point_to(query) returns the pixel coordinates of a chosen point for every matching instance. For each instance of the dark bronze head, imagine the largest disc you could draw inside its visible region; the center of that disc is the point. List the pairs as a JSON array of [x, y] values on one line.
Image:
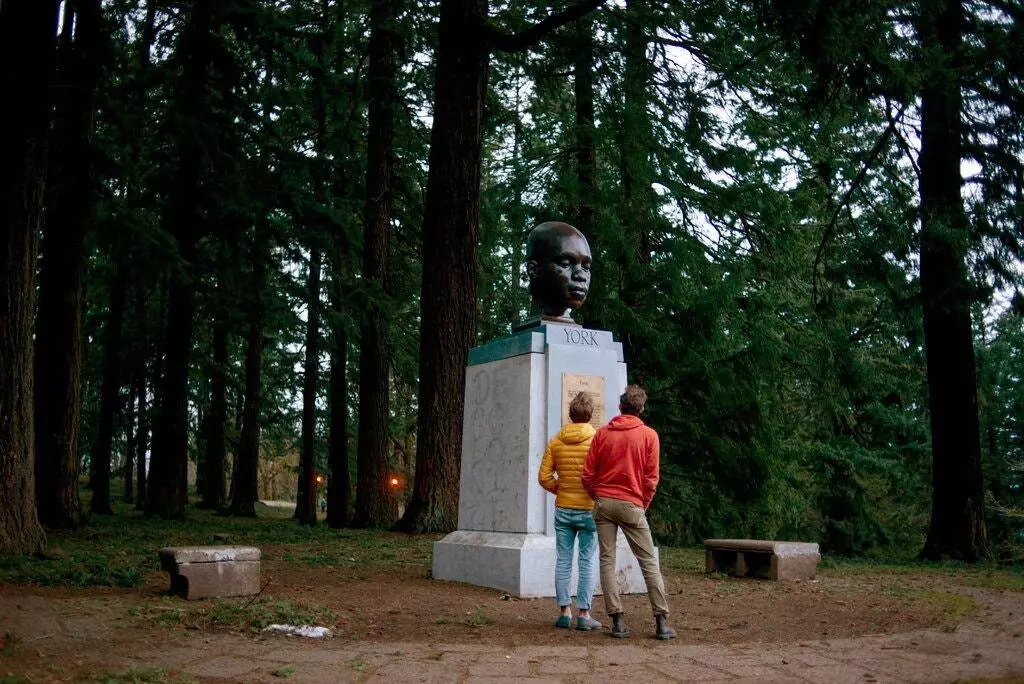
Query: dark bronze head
[[558, 265]]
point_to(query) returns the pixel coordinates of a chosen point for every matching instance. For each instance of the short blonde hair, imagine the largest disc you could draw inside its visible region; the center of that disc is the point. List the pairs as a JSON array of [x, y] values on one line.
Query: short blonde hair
[[582, 408]]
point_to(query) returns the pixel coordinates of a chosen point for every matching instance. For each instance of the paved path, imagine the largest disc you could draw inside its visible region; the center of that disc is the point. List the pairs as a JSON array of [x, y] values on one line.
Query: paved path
[[61, 637], [972, 651]]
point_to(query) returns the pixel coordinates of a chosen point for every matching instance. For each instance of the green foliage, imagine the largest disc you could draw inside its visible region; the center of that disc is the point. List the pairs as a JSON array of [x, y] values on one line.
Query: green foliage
[[753, 216]]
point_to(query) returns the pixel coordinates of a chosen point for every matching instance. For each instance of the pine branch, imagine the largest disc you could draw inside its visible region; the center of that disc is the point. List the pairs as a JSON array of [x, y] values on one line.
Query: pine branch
[[890, 131], [517, 42]]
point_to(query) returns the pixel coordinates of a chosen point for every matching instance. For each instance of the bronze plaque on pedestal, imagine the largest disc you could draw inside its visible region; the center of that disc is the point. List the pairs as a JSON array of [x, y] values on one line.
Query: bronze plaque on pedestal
[[573, 384]]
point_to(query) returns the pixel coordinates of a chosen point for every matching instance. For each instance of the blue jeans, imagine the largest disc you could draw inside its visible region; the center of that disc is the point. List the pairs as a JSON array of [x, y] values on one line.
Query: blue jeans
[[570, 523]]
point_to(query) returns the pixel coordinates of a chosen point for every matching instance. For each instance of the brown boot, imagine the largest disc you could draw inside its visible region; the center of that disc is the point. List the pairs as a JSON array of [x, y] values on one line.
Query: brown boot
[[663, 631]]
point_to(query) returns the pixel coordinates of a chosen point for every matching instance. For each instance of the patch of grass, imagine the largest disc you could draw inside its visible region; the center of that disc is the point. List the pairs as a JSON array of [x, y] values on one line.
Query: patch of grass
[[284, 672], [82, 568], [120, 550], [148, 675], [235, 615], [322, 559], [726, 585], [982, 575], [475, 618], [686, 560], [953, 607]]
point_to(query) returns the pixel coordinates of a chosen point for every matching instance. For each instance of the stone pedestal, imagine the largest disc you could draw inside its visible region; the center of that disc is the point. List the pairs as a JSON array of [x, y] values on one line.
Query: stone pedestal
[[514, 405]]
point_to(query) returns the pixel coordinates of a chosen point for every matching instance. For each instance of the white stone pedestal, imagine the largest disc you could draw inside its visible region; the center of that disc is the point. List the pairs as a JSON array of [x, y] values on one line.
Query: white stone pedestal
[[513, 408]]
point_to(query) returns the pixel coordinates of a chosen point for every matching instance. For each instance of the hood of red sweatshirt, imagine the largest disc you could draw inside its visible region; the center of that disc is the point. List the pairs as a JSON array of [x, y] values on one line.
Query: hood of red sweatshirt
[[624, 422]]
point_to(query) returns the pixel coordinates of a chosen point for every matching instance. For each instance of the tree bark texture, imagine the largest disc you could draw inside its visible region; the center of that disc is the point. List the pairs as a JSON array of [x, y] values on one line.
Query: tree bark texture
[[375, 501], [244, 482], [451, 230], [957, 528], [245, 470], [59, 322], [27, 30], [110, 395]]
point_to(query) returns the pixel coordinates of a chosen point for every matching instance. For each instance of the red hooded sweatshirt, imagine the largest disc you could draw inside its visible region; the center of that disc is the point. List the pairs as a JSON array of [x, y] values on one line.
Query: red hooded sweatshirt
[[623, 462]]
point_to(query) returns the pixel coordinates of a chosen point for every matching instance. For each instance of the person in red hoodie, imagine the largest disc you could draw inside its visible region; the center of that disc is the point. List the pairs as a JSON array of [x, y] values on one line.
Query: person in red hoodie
[[621, 474]]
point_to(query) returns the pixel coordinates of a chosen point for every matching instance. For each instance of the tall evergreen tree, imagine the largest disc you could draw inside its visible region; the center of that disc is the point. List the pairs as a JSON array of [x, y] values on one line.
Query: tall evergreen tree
[[59, 323], [448, 305], [958, 526], [374, 502], [27, 32]]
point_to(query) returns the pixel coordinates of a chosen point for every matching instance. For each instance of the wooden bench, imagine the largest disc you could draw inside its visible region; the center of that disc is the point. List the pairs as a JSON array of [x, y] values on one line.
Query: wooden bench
[[211, 571], [777, 560]]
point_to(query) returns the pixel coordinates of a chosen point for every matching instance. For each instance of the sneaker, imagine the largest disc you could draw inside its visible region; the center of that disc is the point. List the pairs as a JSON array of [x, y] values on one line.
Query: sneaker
[[587, 624], [563, 622]]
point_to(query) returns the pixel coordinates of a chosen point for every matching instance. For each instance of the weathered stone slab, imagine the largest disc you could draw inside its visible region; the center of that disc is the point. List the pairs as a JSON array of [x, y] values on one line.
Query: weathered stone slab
[[198, 572], [777, 560]]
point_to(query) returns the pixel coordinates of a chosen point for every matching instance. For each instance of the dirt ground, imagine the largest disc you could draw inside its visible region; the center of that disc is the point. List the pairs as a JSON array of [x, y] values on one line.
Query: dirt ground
[[60, 634]]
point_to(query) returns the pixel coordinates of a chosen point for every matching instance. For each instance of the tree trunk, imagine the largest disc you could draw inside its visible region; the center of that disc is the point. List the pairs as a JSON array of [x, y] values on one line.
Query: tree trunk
[[27, 30], [167, 493], [339, 485], [586, 160], [244, 481], [213, 491], [451, 229], [59, 323], [375, 501], [586, 149], [957, 527], [110, 396]]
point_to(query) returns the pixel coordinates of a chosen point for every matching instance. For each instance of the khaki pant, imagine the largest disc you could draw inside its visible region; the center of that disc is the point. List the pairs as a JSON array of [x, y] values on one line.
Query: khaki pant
[[610, 515]]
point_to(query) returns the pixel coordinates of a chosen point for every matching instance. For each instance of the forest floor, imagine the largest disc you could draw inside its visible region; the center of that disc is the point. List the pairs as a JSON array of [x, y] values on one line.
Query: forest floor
[[858, 622]]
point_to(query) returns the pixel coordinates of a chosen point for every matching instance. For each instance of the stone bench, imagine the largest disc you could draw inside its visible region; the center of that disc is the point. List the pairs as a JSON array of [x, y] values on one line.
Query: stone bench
[[211, 571], [777, 560]]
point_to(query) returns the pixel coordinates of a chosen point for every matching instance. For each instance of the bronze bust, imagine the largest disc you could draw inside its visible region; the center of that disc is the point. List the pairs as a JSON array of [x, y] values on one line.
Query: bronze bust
[[558, 266]]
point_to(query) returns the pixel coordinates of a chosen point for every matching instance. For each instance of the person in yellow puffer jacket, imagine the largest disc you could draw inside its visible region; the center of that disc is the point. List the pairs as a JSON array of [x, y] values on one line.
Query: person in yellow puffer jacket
[[560, 474]]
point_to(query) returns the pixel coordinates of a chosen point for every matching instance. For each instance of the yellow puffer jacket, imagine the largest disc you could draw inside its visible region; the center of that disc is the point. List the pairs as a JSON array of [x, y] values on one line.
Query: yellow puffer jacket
[[564, 457]]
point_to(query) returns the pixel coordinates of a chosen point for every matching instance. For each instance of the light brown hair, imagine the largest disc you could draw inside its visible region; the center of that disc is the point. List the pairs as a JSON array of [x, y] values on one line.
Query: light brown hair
[[582, 408], [633, 400]]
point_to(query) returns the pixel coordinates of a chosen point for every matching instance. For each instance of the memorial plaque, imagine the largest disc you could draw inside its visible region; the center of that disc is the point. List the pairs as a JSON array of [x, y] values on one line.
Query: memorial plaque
[[573, 384]]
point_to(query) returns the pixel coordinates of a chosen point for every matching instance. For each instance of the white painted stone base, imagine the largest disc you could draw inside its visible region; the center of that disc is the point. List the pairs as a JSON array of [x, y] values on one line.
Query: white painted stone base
[[521, 564]]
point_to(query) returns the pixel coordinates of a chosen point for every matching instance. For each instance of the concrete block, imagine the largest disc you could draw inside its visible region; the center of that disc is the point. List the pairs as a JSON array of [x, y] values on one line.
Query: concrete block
[[198, 572], [777, 560]]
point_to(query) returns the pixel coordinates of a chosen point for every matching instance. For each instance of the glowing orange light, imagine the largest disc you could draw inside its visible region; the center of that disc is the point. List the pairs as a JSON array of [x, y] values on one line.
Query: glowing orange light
[[394, 482], [319, 479]]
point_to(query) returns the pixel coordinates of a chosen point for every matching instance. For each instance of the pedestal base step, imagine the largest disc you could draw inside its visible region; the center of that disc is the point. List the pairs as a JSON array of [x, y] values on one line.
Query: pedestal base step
[[521, 564]]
